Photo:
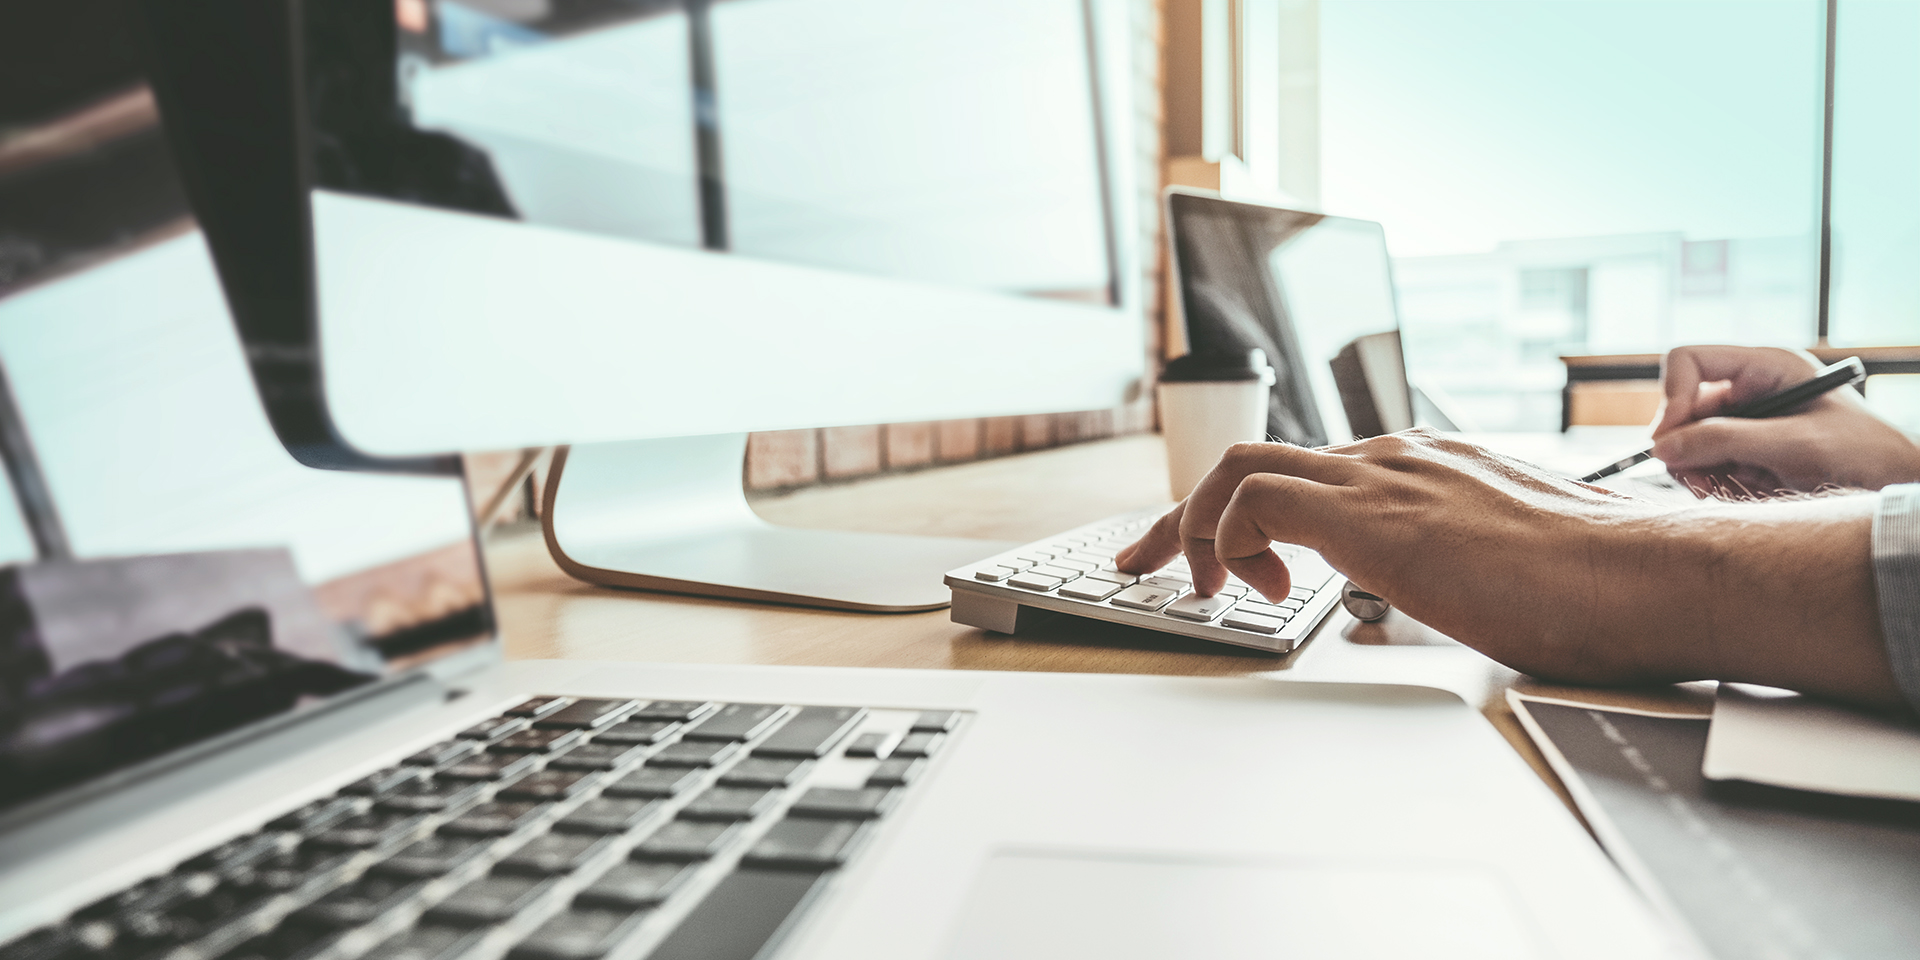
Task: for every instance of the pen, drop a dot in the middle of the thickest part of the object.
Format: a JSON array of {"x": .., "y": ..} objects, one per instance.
[{"x": 1848, "y": 371}]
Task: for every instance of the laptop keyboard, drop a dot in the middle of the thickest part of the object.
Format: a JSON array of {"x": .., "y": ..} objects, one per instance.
[
  {"x": 1073, "y": 573},
  {"x": 562, "y": 829}
]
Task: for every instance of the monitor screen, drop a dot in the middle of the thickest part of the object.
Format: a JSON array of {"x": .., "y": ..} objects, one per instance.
[
  {"x": 523, "y": 222},
  {"x": 184, "y": 578},
  {"x": 1300, "y": 286},
  {"x": 952, "y": 143}
]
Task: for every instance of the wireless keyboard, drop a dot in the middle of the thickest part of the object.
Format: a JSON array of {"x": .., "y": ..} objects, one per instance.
[{"x": 1073, "y": 573}]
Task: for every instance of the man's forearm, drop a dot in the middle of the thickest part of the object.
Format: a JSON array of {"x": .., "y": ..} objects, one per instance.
[{"x": 1790, "y": 599}]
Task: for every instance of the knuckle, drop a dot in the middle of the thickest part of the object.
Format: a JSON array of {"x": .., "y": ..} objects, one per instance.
[{"x": 1245, "y": 451}]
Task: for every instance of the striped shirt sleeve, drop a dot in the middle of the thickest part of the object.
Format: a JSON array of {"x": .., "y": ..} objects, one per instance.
[{"x": 1896, "y": 575}]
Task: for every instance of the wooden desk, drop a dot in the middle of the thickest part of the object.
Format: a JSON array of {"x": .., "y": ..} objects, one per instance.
[{"x": 546, "y": 614}]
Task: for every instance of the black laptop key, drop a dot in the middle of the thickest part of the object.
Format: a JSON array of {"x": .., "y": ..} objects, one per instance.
[
  {"x": 537, "y": 741},
  {"x": 805, "y": 844},
  {"x": 487, "y": 731},
  {"x": 599, "y": 756},
  {"x": 689, "y": 753},
  {"x": 637, "y": 731},
  {"x": 443, "y": 753},
  {"x": 654, "y": 782},
  {"x": 896, "y": 773},
  {"x": 835, "y": 803},
  {"x": 919, "y": 745},
  {"x": 812, "y": 732},
  {"x": 584, "y": 714},
  {"x": 536, "y": 707},
  {"x": 738, "y": 919},
  {"x": 46, "y": 943},
  {"x": 385, "y": 781},
  {"x": 489, "y": 899},
  {"x": 578, "y": 935},
  {"x": 675, "y": 710},
  {"x": 685, "y": 840},
  {"x": 357, "y": 903},
  {"x": 428, "y": 941},
  {"x": 492, "y": 766},
  {"x": 286, "y": 941},
  {"x": 730, "y": 803},
  {"x": 635, "y": 884},
  {"x": 319, "y": 814},
  {"x": 608, "y": 815},
  {"x": 286, "y": 871},
  {"x": 238, "y": 852},
  {"x": 868, "y": 744},
  {"x": 225, "y": 902},
  {"x": 432, "y": 856},
  {"x": 936, "y": 721},
  {"x": 430, "y": 795},
  {"x": 366, "y": 830},
  {"x": 551, "y": 854},
  {"x": 547, "y": 785},
  {"x": 766, "y": 772},
  {"x": 492, "y": 819},
  {"x": 736, "y": 721}
]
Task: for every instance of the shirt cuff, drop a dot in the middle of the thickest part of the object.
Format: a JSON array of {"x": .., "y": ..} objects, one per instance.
[{"x": 1896, "y": 575}]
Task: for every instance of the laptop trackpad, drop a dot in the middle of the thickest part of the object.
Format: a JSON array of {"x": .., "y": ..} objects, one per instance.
[{"x": 1046, "y": 906}]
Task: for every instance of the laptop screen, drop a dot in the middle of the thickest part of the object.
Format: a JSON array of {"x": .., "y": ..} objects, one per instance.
[
  {"x": 1301, "y": 286},
  {"x": 171, "y": 576}
]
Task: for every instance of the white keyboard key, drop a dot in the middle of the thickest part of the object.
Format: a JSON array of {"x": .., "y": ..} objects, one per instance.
[
  {"x": 1016, "y": 563},
  {"x": 1034, "y": 581},
  {"x": 1196, "y": 607},
  {"x": 1109, "y": 573},
  {"x": 1234, "y": 590},
  {"x": 1251, "y": 622},
  {"x": 1089, "y": 588},
  {"x": 1265, "y": 609},
  {"x": 1057, "y": 571},
  {"x": 1036, "y": 556},
  {"x": 1178, "y": 585},
  {"x": 1143, "y": 597},
  {"x": 1290, "y": 605},
  {"x": 994, "y": 574},
  {"x": 1080, "y": 565},
  {"x": 1300, "y": 593}
]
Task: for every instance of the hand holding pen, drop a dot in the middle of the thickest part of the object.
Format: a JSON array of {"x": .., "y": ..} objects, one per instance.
[
  {"x": 1830, "y": 439},
  {"x": 1848, "y": 371}
]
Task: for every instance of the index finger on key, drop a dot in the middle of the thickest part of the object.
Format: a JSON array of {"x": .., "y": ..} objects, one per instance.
[
  {"x": 1200, "y": 522},
  {"x": 1155, "y": 548}
]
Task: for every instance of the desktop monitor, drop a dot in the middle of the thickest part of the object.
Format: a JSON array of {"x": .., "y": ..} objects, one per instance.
[
  {"x": 1315, "y": 292},
  {"x": 480, "y": 224},
  {"x": 171, "y": 578}
]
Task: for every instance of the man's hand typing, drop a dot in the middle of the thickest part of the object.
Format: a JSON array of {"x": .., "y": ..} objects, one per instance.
[{"x": 1552, "y": 577}]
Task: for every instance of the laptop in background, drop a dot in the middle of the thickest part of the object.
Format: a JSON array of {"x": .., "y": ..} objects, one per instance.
[{"x": 1313, "y": 291}]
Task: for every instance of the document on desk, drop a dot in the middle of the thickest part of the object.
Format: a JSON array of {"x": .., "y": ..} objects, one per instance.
[
  {"x": 1785, "y": 739},
  {"x": 1753, "y": 871}
]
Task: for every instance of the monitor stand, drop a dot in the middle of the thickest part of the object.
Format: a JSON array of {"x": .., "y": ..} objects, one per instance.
[{"x": 671, "y": 515}]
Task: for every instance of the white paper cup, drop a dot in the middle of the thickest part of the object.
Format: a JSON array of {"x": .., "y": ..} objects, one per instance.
[{"x": 1201, "y": 418}]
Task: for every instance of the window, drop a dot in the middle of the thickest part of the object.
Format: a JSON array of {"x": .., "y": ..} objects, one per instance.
[{"x": 1588, "y": 176}]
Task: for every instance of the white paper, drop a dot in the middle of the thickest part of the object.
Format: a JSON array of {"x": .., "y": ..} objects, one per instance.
[{"x": 1785, "y": 739}]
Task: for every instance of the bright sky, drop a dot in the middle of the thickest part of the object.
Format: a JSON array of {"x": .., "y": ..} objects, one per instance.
[{"x": 1462, "y": 123}]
